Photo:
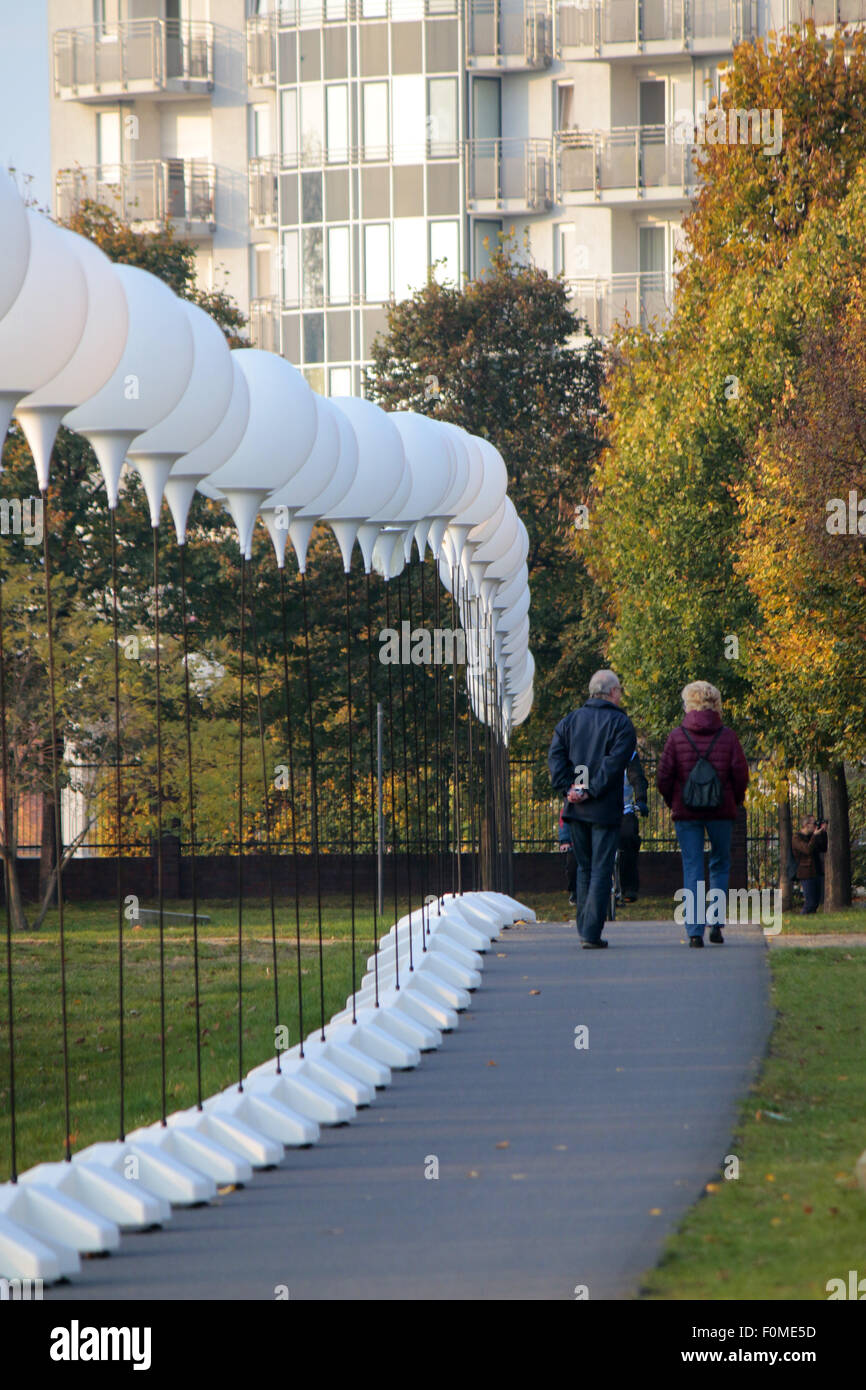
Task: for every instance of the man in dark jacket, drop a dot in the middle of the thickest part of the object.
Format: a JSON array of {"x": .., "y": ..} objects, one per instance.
[{"x": 589, "y": 752}]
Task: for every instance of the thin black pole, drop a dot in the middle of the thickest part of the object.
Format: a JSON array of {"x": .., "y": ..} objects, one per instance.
[
  {"x": 58, "y": 824},
  {"x": 417, "y": 752},
  {"x": 240, "y": 957},
  {"x": 407, "y": 812},
  {"x": 441, "y": 801},
  {"x": 118, "y": 832},
  {"x": 374, "y": 800},
  {"x": 193, "y": 878},
  {"x": 291, "y": 756},
  {"x": 160, "y": 879},
  {"x": 458, "y": 829},
  {"x": 8, "y": 870},
  {"x": 351, "y": 779},
  {"x": 391, "y": 760},
  {"x": 426, "y": 745},
  {"x": 267, "y": 805},
  {"x": 314, "y": 805}
]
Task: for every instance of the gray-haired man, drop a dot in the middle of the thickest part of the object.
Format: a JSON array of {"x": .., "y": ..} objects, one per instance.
[{"x": 589, "y": 751}]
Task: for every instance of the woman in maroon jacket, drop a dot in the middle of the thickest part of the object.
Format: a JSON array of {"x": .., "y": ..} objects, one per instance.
[{"x": 703, "y": 735}]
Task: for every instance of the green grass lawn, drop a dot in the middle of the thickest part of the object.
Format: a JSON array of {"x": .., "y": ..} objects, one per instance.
[
  {"x": 795, "y": 1217},
  {"x": 93, "y": 1022}
]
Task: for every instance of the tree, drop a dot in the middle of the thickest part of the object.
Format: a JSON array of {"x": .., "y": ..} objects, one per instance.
[
  {"x": 497, "y": 356},
  {"x": 688, "y": 406}
]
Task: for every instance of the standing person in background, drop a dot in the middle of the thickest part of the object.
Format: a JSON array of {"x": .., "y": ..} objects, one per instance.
[
  {"x": 566, "y": 848},
  {"x": 588, "y": 755},
  {"x": 635, "y": 788},
  {"x": 703, "y": 776},
  {"x": 808, "y": 844}
]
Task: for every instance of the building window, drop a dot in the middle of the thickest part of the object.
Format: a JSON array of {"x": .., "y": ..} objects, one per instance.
[
  {"x": 313, "y": 270},
  {"x": 262, "y": 272},
  {"x": 337, "y": 122},
  {"x": 340, "y": 381},
  {"x": 312, "y": 123},
  {"x": 261, "y": 133},
  {"x": 445, "y": 251},
  {"x": 289, "y": 126},
  {"x": 410, "y": 255},
  {"x": 377, "y": 262},
  {"x": 375, "y": 118},
  {"x": 565, "y": 106},
  {"x": 108, "y": 142},
  {"x": 442, "y": 117},
  {"x": 339, "y": 260},
  {"x": 291, "y": 278},
  {"x": 484, "y": 231},
  {"x": 106, "y": 17}
]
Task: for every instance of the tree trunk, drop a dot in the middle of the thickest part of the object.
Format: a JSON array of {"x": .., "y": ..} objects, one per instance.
[
  {"x": 12, "y": 888},
  {"x": 785, "y": 833},
  {"x": 837, "y": 861}
]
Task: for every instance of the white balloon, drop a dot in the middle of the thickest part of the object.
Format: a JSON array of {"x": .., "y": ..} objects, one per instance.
[
  {"x": 194, "y": 467},
  {"x": 43, "y": 326},
  {"x": 382, "y": 483},
  {"x": 197, "y": 413},
  {"x": 279, "y": 434},
  {"x": 280, "y": 508},
  {"x": 301, "y": 525},
  {"x": 98, "y": 352},
  {"x": 15, "y": 240},
  {"x": 147, "y": 382}
]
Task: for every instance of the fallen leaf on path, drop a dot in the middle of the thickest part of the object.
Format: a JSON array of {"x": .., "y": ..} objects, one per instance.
[
  {"x": 472, "y": 1173},
  {"x": 535, "y": 991},
  {"x": 655, "y": 1211},
  {"x": 504, "y": 1144}
]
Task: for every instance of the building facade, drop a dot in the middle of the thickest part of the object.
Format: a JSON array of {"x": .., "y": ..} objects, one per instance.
[{"x": 323, "y": 154}]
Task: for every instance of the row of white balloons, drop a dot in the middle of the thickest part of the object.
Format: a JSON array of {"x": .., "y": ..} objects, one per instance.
[{"x": 110, "y": 352}]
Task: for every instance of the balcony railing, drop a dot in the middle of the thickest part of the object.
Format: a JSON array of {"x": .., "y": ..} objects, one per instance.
[
  {"x": 626, "y": 160},
  {"x": 153, "y": 191},
  {"x": 641, "y": 298},
  {"x": 264, "y": 191},
  {"x": 266, "y": 324},
  {"x": 146, "y": 56},
  {"x": 828, "y": 13},
  {"x": 508, "y": 175},
  {"x": 595, "y": 24},
  {"x": 514, "y": 34},
  {"x": 312, "y": 14},
  {"x": 262, "y": 51}
]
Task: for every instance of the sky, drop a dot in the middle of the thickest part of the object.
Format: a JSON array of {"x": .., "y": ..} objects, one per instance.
[{"x": 24, "y": 94}]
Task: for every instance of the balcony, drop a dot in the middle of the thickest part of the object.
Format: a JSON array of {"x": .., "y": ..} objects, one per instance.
[
  {"x": 828, "y": 13},
  {"x": 262, "y": 51},
  {"x": 628, "y": 28},
  {"x": 508, "y": 35},
  {"x": 143, "y": 57},
  {"x": 266, "y": 324},
  {"x": 313, "y": 14},
  {"x": 641, "y": 298},
  {"x": 508, "y": 175},
  {"x": 264, "y": 191},
  {"x": 148, "y": 193},
  {"x": 630, "y": 164}
]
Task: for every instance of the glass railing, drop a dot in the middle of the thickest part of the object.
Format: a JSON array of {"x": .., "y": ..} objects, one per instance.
[
  {"x": 628, "y": 158},
  {"x": 643, "y": 298},
  {"x": 509, "y": 173},
  {"x": 150, "y": 190},
  {"x": 144, "y": 55},
  {"x": 593, "y": 23},
  {"x": 513, "y": 33}
]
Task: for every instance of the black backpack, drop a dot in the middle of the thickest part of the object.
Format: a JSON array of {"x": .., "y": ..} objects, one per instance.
[{"x": 703, "y": 789}]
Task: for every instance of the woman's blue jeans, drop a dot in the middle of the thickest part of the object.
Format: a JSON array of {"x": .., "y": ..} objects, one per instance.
[{"x": 690, "y": 834}]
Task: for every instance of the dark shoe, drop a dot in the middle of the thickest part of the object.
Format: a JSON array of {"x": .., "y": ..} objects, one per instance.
[
  {"x": 572, "y": 902},
  {"x": 626, "y": 898},
  {"x": 716, "y": 936},
  {"x": 595, "y": 945},
  {"x": 696, "y": 941}
]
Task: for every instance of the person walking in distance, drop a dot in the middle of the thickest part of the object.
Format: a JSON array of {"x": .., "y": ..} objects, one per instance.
[
  {"x": 588, "y": 755},
  {"x": 703, "y": 775},
  {"x": 808, "y": 844}
]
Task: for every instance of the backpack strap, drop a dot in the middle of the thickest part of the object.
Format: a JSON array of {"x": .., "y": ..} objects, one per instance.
[{"x": 710, "y": 746}]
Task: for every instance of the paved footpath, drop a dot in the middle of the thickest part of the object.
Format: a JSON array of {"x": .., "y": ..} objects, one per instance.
[{"x": 558, "y": 1166}]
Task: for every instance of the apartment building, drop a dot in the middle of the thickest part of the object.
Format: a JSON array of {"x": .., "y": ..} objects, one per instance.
[{"x": 325, "y": 153}]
